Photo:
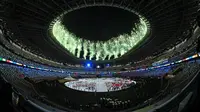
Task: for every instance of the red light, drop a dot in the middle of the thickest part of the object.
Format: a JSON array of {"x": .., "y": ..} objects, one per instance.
[{"x": 8, "y": 61}]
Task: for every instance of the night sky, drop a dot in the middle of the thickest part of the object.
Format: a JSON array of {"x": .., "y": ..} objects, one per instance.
[{"x": 99, "y": 23}]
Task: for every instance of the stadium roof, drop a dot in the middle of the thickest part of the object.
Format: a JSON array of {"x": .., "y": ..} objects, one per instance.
[{"x": 29, "y": 20}]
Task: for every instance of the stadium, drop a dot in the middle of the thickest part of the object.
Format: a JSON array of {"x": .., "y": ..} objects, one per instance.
[{"x": 99, "y": 55}]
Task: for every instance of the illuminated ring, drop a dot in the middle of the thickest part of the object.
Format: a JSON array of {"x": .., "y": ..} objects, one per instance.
[{"x": 100, "y": 53}]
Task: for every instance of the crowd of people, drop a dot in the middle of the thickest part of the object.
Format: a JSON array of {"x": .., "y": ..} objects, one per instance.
[
  {"x": 114, "y": 104},
  {"x": 100, "y": 84},
  {"x": 141, "y": 89},
  {"x": 145, "y": 92},
  {"x": 82, "y": 85},
  {"x": 119, "y": 84}
]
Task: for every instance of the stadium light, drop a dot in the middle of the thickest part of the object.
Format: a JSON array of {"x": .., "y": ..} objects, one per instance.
[
  {"x": 88, "y": 65},
  {"x": 3, "y": 59},
  {"x": 98, "y": 66}
]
